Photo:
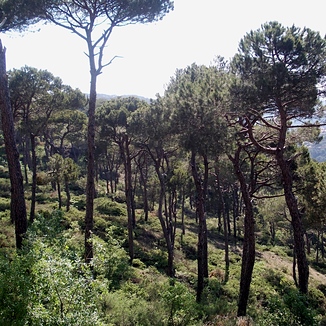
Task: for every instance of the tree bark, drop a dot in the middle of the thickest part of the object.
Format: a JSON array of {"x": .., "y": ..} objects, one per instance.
[
  {"x": 125, "y": 155},
  {"x": 248, "y": 252},
  {"x": 142, "y": 164},
  {"x": 202, "y": 258},
  {"x": 67, "y": 190},
  {"x": 159, "y": 169},
  {"x": 235, "y": 211},
  {"x": 90, "y": 185},
  {"x": 17, "y": 205},
  {"x": 59, "y": 194},
  {"x": 296, "y": 221},
  {"x": 225, "y": 227},
  {"x": 33, "y": 196}
]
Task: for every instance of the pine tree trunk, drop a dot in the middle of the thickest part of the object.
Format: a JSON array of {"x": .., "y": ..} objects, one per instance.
[
  {"x": 248, "y": 252},
  {"x": 225, "y": 227},
  {"x": 33, "y": 196},
  {"x": 59, "y": 194},
  {"x": 202, "y": 258},
  {"x": 18, "y": 205},
  {"x": 125, "y": 156},
  {"x": 68, "y": 195},
  {"x": 235, "y": 212},
  {"x": 90, "y": 185},
  {"x": 296, "y": 221}
]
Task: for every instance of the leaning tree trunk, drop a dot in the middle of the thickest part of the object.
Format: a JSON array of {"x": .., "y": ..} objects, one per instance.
[{"x": 18, "y": 206}]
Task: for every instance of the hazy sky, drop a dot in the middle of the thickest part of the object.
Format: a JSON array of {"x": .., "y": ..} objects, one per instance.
[{"x": 196, "y": 31}]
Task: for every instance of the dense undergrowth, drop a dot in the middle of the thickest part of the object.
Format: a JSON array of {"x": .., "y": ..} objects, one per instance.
[{"x": 47, "y": 283}]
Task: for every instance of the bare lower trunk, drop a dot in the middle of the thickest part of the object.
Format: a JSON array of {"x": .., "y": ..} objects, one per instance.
[
  {"x": 125, "y": 155},
  {"x": 225, "y": 227},
  {"x": 33, "y": 196},
  {"x": 59, "y": 194},
  {"x": 18, "y": 206},
  {"x": 248, "y": 252},
  {"x": 296, "y": 221},
  {"x": 183, "y": 199},
  {"x": 202, "y": 258},
  {"x": 68, "y": 196},
  {"x": 90, "y": 186},
  {"x": 166, "y": 233}
]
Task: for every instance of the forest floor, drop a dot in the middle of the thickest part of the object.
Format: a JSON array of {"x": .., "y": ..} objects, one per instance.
[{"x": 281, "y": 263}]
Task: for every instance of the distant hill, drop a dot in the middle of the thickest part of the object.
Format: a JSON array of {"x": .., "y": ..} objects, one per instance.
[
  {"x": 107, "y": 97},
  {"x": 318, "y": 151}
]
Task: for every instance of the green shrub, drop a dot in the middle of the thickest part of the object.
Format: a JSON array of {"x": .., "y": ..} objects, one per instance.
[
  {"x": 180, "y": 305},
  {"x": 4, "y": 204},
  {"x": 277, "y": 314},
  {"x": 107, "y": 207},
  {"x": 212, "y": 304},
  {"x": 138, "y": 263},
  {"x": 64, "y": 291},
  {"x": 5, "y": 188},
  {"x": 299, "y": 307},
  {"x": 110, "y": 260},
  {"x": 48, "y": 225},
  {"x": 15, "y": 284},
  {"x": 42, "y": 178},
  {"x": 79, "y": 202},
  {"x": 48, "y": 284},
  {"x": 317, "y": 300},
  {"x": 125, "y": 309},
  {"x": 189, "y": 250},
  {"x": 4, "y": 173},
  {"x": 289, "y": 309}
]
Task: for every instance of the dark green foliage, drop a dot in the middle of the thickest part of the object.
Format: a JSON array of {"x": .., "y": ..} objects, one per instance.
[
  {"x": 180, "y": 304},
  {"x": 48, "y": 284},
  {"x": 213, "y": 303},
  {"x": 19, "y": 14},
  {"x": 108, "y": 207},
  {"x": 15, "y": 284},
  {"x": 189, "y": 250},
  {"x": 5, "y": 187},
  {"x": 79, "y": 202},
  {"x": 4, "y": 172},
  {"x": 4, "y": 204},
  {"x": 48, "y": 225},
  {"x": 289, "y": 306},
  {"x": 289, "y": 310},
  {"x": 155, "y": 257}
]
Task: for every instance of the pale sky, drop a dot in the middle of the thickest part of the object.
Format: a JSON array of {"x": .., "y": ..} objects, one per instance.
[{"x": 196, "y": 31}]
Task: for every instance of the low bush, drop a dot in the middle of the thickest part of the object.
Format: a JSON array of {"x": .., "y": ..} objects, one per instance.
[
  {"x": 108, "y": 207},
  {"x": 79, "y": 202},
  {"x": 4, "y": 204},
  {"x": 180, "y": 305},
  {"x": 5, "y": 188},
  {"x": 4, "y": 173}
]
